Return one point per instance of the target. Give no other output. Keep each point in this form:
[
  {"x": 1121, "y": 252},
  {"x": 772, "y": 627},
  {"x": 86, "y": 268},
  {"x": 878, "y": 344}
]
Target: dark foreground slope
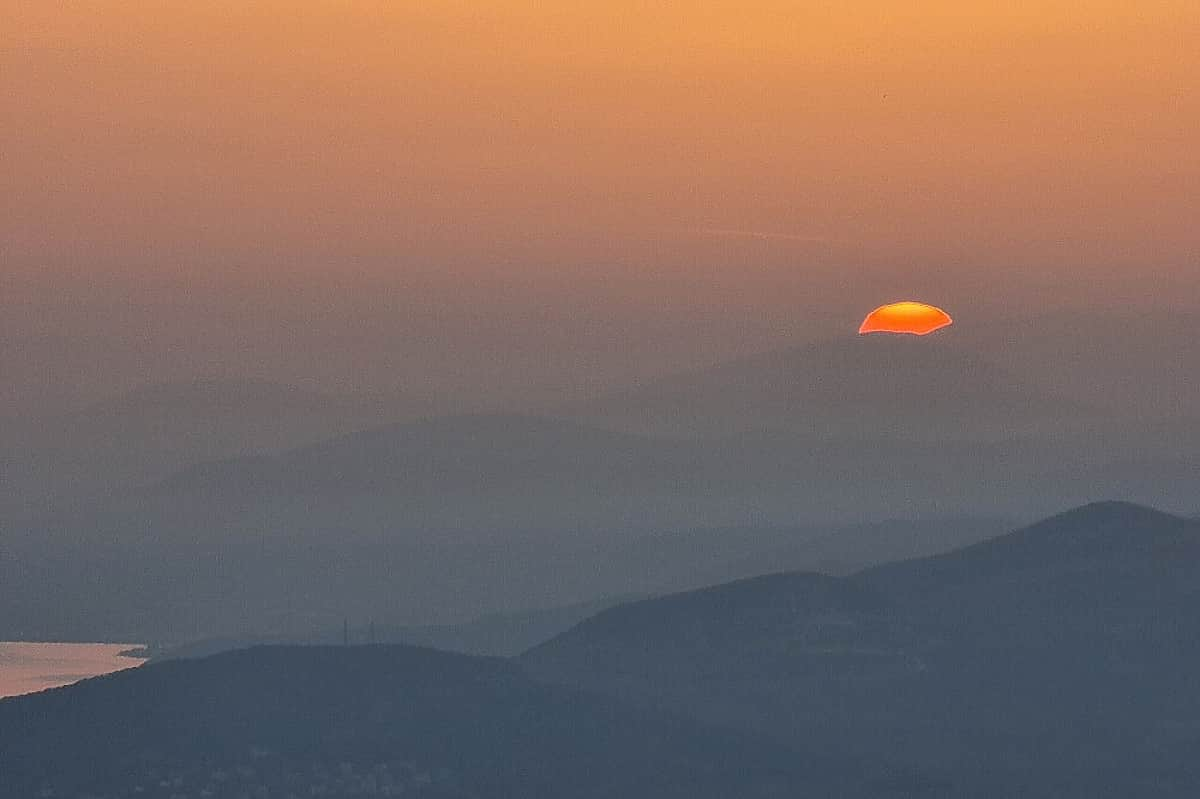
[
  {"x": 354, "y": 720},
  {"x": 1060, "y": 660}
]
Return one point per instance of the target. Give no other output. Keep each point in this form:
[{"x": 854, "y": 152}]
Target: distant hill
[
  {"x": 1058, "y": 660},
  {"x": 519, "y": 510},
  {"x": 512, "y": 470},
  {"x": 496, "y": 634},
  {"x": 1105, "y": 538},
  {"x": 265, "y": 510},
  {"x": 756, "y": 627},
  {"x": 1104, "y": 579},
  {"x": 706, "y": 556},
  {"x": 894, "y": 387},
  {"x": 462, "y": 454},
  {"x": 146, "y": 434},
  {"x": 232, "y": 555},
  {"x": 370, "y": 721}
]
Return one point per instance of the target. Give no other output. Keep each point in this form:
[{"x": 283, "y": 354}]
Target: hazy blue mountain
[
  {"x": 703, "y": 557},
  {"x": 357, "y": 720},
  {"x": 1138, "y": 365},
  {"x": 1104, "y": 574},
  {"x": 469, "y": 454},
  {"x": 891, "y": 387},
  {"x": 496, "y": 634},
  {"x": 146, "y": 434},
  {"x": 447, "y": 519},
  {"x": 1098, "y": 537},
  {"x": 517, "y": 471},
  {"x": 974, "y": 665},
  {"x": 207, "y": 556}
]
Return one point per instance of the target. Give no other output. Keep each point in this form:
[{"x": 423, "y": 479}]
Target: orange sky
[
  {"x": 939, "y": 127},
  {"x": 682, "y": 160}
]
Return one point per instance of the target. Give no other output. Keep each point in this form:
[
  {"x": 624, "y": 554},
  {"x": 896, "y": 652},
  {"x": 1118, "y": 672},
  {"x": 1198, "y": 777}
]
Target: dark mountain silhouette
[
  {"x": 359, "y": 720},
  {"x": 1059, "y": 660},
  {"x": 754, "y": 628},
  {"x": 972, "y": 666}
]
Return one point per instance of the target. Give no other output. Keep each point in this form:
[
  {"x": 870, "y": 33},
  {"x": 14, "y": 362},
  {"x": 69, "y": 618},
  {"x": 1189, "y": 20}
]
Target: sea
[{"x": 27, "y": 668}]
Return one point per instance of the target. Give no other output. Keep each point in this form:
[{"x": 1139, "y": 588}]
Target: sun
[{"x": 909, "y": 318}]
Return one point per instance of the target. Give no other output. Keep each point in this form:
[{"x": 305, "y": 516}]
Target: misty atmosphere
[{"x": 629, "y": 400}]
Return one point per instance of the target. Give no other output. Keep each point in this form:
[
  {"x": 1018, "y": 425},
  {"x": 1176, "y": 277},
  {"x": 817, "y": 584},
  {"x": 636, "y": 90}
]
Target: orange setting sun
[{"x": 911, "y": 318}]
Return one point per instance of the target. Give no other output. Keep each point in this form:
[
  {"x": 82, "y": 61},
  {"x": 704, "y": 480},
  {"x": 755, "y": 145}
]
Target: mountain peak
[
  {"x": 1109, "y": 511},
  {"x": 1103, "y": 525},
  {"x": 1107, "y": 535},
  {"x": 893, "y": 385}
]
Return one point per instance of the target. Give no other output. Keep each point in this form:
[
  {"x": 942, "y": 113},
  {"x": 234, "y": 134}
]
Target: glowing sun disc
[{"x": 911, "y": 318}]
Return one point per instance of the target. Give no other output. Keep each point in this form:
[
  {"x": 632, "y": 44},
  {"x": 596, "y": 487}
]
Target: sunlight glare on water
[{"x": 26, "y": 668}]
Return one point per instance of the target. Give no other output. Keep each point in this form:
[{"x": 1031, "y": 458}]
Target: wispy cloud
[{"x": 764, "y": 235}]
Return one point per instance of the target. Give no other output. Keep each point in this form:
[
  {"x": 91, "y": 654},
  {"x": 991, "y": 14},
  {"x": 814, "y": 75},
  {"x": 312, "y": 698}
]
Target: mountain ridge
[
  {"x": 968, "y": 669},
  {"x": 287, "y": 719},
  {"x": 1107, "y": 531},
  {"x": 911, "y": 388}
]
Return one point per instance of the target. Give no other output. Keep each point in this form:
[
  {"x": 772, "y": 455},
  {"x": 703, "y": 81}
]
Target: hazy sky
[{"x": 455, "y": 194}]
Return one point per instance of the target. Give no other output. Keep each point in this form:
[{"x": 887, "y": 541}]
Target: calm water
[{"x": 27, "y": 667}]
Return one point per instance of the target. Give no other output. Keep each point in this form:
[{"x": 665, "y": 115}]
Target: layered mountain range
[
  {"x": 281, "y": 511},
  {"x": 1058, "y": 660}
]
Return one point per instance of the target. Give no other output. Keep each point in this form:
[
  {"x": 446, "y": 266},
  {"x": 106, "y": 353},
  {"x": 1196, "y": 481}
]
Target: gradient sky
[{"x": 456, "y": 194}]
